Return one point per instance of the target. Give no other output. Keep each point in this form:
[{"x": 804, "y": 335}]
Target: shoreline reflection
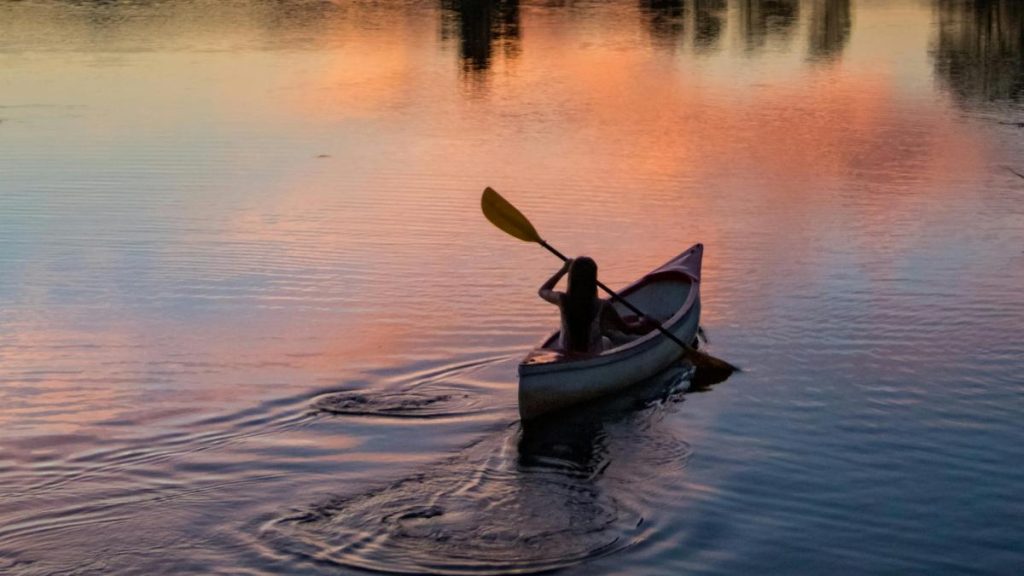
[
  {"x": 979, "y": 49},
  {"x": 665, "y": 19},
  {"x": 831, "y": 21},
  {"x": 708, "y": 23},
  {"x": 764, "y": 20},
  {"x": 482, "y": 27}
]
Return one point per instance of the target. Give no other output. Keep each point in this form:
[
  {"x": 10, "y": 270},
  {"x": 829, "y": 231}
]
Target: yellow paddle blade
[{"x": 505, "y": 216}]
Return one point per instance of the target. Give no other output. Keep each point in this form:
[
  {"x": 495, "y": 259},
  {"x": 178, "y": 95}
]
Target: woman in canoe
[{"x": 586, "y": 319}]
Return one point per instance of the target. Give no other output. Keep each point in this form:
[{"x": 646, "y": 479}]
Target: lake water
[{"x": 252, "y": 320}]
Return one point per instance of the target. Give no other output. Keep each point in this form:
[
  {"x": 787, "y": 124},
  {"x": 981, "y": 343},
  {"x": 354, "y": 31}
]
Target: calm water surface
[{"x": 252, "y": 321}]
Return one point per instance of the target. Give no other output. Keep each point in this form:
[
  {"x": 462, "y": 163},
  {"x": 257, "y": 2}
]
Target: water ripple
[
  {"x": 534, "y": 499},
  {"x": 437, "y": 392}
]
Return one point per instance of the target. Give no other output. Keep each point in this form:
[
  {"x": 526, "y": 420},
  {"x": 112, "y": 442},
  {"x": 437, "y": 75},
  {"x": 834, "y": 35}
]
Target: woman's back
[
  {"x": 579, "y": 306},
  {"x": 584, "y": 315},
  {"x": 581, "y": 326}
]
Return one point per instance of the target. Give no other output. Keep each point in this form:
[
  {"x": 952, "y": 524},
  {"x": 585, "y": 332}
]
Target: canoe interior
[{"x": 660, "y": 298}]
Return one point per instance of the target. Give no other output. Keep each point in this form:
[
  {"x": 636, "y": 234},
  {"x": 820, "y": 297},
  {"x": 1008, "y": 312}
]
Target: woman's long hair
[{"x": 581, "y": 302}]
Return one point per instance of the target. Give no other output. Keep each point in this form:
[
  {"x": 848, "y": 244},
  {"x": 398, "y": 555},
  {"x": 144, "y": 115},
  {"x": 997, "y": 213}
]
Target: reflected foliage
[
  {"x": 979, "y": 52},
  {"x": 481, "y": 27},
  {"x": 761, "y": 19},
  {"x": 830, "y": 28},
  {"x": 708, "y": 23},
  {"x": 666, "y": 19}
]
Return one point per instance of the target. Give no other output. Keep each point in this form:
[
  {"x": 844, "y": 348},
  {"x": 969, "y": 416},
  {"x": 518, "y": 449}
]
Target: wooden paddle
[{"x": 505, "y": 216}]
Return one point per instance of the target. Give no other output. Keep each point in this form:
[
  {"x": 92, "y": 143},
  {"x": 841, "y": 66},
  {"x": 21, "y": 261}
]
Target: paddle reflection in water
[{"x": 558, "y": 492}]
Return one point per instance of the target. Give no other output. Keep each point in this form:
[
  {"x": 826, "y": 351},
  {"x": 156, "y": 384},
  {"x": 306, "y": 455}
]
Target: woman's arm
[{"x": 547, "y": 290}]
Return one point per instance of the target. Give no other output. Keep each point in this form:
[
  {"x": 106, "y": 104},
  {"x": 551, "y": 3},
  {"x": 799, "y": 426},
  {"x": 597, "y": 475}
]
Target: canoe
[{"x": 550, "y": 380}]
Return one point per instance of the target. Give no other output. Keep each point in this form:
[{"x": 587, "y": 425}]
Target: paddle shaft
[{"x": 623, "y": 301}]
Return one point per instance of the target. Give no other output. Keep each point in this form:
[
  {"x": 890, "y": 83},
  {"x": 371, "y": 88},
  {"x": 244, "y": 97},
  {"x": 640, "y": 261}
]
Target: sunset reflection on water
[{"x": 237, "y": 239}]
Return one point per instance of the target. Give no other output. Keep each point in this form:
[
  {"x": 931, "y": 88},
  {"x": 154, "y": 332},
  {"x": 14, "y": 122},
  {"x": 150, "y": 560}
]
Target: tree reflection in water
[
  {"x": 666, "y": 20},
  {"x": 761, "y": 19},
  {"x": 830, "y": 29},
  {"x": 481, "y": 26},
  {"x": 979, "y": 51},
  {"x": 707, "y": 23}
]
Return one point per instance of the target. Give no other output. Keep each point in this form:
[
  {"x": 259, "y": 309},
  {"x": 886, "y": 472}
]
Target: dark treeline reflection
[
  {"x": 667, "y": 21},
  {"x": 707, "y": 22},
  {"x": 979, "y": 52},
  {"x": 830, "y": 28},
  {"x": 481, "y": 26},
  {"x": 759, "y": 19}
]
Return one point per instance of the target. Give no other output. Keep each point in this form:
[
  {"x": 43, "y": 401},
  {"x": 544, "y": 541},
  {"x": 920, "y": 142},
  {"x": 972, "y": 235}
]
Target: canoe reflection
[{"x": 577, "y": 437}]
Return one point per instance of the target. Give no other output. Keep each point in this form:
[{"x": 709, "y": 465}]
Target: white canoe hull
[{"x": 550, "y": 381}]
